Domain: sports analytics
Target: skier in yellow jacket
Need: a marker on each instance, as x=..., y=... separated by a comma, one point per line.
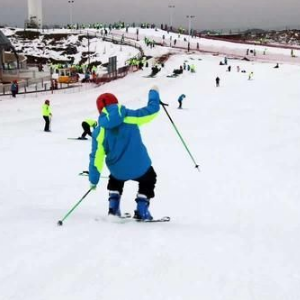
x=47, y=114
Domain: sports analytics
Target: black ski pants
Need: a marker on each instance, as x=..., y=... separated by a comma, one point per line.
x=146, y=183
x=47, y=123
x=86, y=129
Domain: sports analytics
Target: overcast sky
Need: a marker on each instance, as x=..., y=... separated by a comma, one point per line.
x=209, y=14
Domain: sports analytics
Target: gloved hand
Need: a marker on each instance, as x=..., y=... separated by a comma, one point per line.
x=155, y=88
x=93, y=186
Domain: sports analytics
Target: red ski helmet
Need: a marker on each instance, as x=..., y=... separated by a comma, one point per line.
x=105, y=100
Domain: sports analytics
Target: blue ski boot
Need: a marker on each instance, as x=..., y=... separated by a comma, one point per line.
x=142, y=212
x=114, y=203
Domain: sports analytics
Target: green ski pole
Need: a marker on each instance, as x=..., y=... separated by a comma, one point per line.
x=181, y=138
x=60, y=222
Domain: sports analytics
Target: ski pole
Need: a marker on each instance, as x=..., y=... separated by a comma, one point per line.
x=86, y=173
x=60, y=222
x=181, y=138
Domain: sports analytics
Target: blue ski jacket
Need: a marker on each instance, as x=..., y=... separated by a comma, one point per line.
x=181, y=97
x=117, y=139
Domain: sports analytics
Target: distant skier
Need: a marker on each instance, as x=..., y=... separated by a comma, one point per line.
x=217, y=81
x=180, y=99
x=193, y=68
x=14, y=88
x=250, y=76
x=178, y=71
x=141, y=65
x=277, y=66
x=47, y=114
x=155, y=69
x=292, y=53
x=87, y=125
x=118, y=138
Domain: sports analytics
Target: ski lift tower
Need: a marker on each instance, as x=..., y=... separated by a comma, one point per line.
x=35, y=14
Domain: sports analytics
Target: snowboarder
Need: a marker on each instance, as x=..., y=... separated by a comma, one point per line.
x=118, y=138
x=217, y=81
x=47, y=114
x=180, y=99
x=87, y=125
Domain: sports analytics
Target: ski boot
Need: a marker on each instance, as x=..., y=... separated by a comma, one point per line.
x=114, y=203
x=142, y=212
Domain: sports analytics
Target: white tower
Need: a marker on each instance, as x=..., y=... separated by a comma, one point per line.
x=35, y=14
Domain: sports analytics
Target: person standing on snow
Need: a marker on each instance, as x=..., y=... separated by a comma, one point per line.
x=250, y=76
x=117, y=138
x=217, y=81
x=87, y=125
x=14, y=88
x=180, y=99
x=47, y=114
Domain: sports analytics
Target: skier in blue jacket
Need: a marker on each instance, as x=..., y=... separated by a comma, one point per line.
x=117, y=138
x=180, y=99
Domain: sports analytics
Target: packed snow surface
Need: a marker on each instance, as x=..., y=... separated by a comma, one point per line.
x=234, y=230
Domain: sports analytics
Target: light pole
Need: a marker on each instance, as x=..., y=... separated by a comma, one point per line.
x=171, y=14
x=190, y=24
x=71, y=12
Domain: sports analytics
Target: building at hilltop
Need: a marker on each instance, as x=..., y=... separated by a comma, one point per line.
x=11, y=63
x=8, y=60
x=35, y=14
